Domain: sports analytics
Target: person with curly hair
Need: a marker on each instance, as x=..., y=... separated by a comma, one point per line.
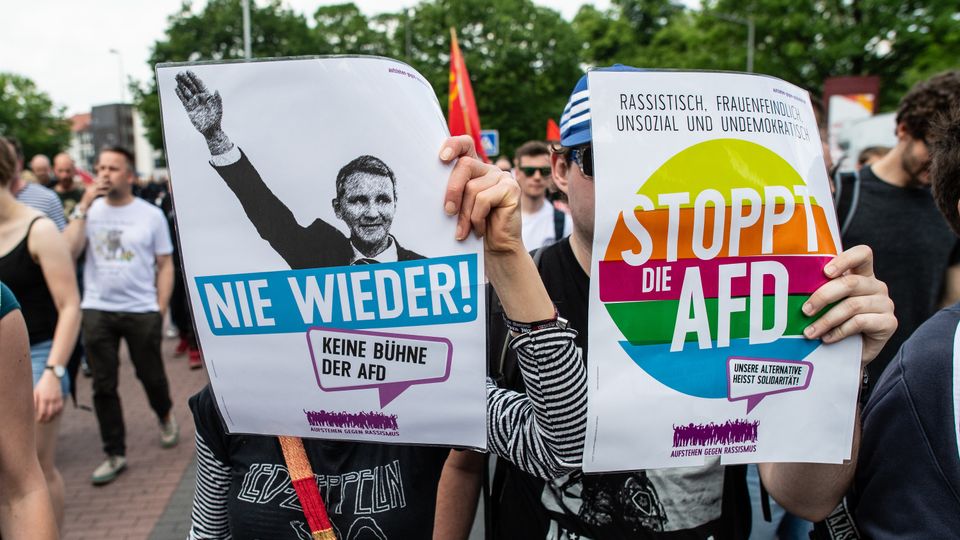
x=908, y=476
x=891, y=209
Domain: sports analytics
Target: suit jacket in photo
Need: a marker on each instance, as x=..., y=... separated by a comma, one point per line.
x=318, y=245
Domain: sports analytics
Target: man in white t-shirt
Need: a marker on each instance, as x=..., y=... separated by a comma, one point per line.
x=542, y=223
x=127, y=278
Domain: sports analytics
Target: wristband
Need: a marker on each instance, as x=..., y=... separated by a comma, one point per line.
x=523, y=327
x=77, y=214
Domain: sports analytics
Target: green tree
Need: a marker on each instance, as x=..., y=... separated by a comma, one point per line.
x=801, y=42
x=523, y=60
x=28, y=114
x=216, y=33
x=344, y=29
x=806, y=42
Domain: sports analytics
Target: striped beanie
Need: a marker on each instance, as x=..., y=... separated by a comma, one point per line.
x=575, y=120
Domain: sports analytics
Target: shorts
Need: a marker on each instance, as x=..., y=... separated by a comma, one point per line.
x=39, y=353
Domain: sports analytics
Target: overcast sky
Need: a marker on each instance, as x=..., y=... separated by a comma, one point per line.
x=64, y=46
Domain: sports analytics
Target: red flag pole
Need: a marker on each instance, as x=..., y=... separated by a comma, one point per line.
x=460, y=69
x=463, y=117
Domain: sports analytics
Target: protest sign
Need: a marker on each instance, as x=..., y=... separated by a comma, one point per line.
x=330, y=297
x=713, y=224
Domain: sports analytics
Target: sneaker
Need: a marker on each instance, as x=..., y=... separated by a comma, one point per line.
x=194, y=360
x=169, y=431
x=181, y=347
x=109, y=470
x=85, y=368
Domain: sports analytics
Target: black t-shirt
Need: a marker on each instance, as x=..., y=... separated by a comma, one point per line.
x=908, y=475
x=371, y=491
x=912, y=248
x=69, y=199
x=689, y=503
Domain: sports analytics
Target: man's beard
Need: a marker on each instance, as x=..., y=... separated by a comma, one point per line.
x=914, y=168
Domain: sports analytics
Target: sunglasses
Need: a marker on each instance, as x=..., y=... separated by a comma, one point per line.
x=530, y=171
x=583, y=156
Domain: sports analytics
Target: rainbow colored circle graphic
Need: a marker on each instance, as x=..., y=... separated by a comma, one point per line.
x=768, y=222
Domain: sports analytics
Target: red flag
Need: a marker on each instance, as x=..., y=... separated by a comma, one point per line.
x=553, y=131
x=462, y=115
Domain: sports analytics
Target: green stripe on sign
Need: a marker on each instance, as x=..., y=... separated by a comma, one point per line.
x=645, y=323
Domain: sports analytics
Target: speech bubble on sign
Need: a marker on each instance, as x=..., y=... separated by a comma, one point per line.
x=753, y=379
x=346, y=360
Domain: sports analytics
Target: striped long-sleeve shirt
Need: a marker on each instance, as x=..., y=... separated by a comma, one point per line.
x=541, y=431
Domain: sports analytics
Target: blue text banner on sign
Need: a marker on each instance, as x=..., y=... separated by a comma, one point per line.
x=441, y=290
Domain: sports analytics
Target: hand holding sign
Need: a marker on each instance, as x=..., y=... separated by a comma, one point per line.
x=488, y=200
x=484, y=197
x=863, y=305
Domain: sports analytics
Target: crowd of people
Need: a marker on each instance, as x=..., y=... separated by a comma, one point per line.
x=59, y=237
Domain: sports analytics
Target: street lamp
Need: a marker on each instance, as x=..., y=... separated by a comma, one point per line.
x=246, y=29
x=748, y=22
x=120, y=68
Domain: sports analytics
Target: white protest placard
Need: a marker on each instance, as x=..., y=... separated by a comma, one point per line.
x=330, y=297
x=714, y=221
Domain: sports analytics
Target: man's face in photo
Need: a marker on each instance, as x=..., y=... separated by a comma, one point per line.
x=367, y=207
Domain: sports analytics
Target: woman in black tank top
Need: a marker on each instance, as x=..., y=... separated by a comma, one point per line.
x=35, y=263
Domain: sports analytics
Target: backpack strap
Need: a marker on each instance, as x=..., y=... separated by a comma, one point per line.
x=839, y=525
x=559, y=220
x=846, y=198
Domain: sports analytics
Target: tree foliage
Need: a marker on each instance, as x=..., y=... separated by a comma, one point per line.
x=524, y=58
x=801, y=42
x=216, y=33
x=28, y=114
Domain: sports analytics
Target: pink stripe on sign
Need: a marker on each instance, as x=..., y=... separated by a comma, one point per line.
x=659, y=280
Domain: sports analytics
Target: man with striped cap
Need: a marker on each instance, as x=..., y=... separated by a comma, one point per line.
x=908, y=477
x=709, y=501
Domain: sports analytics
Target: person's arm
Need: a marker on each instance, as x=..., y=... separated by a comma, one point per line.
x=862, y=306
x=76, y=231
x=274, y=222
x=457, y=494
x=50, y=250
x=542, y=431
x=209, y=519
x=164, y=281
x=951, y=286
x=26, y=511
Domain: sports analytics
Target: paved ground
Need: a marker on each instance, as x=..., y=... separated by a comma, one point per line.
x=153, y=498
x=138, y=505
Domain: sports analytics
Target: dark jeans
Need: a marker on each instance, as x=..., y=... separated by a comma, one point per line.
x=180, y=308
x=102, y=331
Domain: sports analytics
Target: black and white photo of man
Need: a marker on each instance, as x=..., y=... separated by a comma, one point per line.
x=366, y=198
